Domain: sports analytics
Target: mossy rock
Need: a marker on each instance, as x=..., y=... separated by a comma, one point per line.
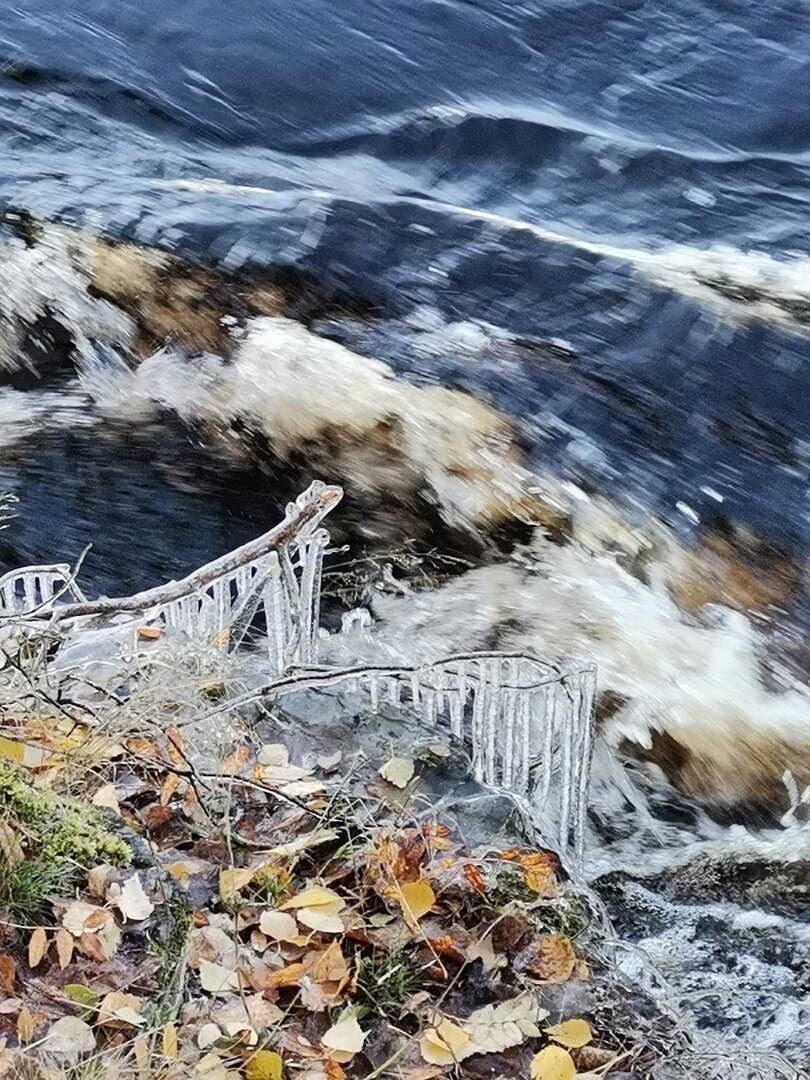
x=56, y=827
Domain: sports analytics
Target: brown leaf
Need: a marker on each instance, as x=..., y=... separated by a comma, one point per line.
x=553, y=960
x=7, y=973
x=89, y=945
x=473, y=876
x=37, y=946
x=64, y=946
x=410, y=850
x=328, y=965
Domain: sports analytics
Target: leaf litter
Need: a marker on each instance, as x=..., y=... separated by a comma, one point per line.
x=270, y=931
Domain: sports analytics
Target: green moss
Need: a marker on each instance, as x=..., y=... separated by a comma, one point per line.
x=57, y=829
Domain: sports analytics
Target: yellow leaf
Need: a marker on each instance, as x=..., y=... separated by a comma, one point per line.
x=571, y=1033
x=315, y=897
x=11, y=751
x=398, y=771
x=552, y=1063
x=142, y=1055
x=169, y=1042
x=263, y=1065
x=232, y=880
x=25, y=1026
x=416, y=898
x=37, y=946
x=444, y=1042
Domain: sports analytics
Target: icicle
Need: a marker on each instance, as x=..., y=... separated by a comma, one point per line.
x=310, y=554
x=492, y=716
x=478, y=714
x=276, y=616
x=394, y=688
x=584, y=757
x=524, y=719
x=548, y=710
x=566, y=779
x=415, y=690
x=374, y=691
x=429, y=707
x=510, y=695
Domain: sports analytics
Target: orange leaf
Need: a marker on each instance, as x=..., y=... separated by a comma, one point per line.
x=235, y=761
x=474, y=878
x=287, y=976
x=7, y=972
x=541, y=882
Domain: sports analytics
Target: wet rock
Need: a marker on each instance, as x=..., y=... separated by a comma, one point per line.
x=733, y=566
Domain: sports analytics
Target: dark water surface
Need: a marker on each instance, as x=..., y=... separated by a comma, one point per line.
x=638, y=138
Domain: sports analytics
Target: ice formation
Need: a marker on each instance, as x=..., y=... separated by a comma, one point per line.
x=527, y=724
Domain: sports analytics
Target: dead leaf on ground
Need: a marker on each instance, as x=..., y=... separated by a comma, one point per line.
x=69, y=1037
x=345, y=1038
x=217, y=979
x=37, y=946
x=263, y=1065
x=495, y=1028
x=570, y=1033
x=552, y=1063
x=7, y=973
x=553, y=960
x=443, y=1042
x=279, y=926
x=131, y=900
x=398, y=771
x=232, y=879
x=416, y=898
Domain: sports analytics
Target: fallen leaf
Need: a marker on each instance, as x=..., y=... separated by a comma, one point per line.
x=7, y=973
x=106, y=796
x=69, y=1037
x=287, y=976
x=398, y=771
x=118, y=1006
x=330, y=761
x=570, y=1033
x=232, y=880
x=317, y=896
x=483, y=950
x=11, y=845
x=82, y=995
x=263, y=1065
x=443, y=1042
x=81, y=918
x=231, y=765
x=25, y=1025
x=168, y=1042
x=217, y=979
x=416, y=898
x=329, y=965
x=322, y=920
x=552, y=1063
x=97, y=880
x=303, y=843
x=150, y=633
x=37, y=946
x=133, y=903
x=494, y=1028
x=473, y=876
x=64, y=946
x=208, y=1035
x=554, y=959
x=278, y=926
x=274, y=754
x=346, y=1036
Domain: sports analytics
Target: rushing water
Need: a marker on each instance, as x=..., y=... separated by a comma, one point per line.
x=591, y=214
